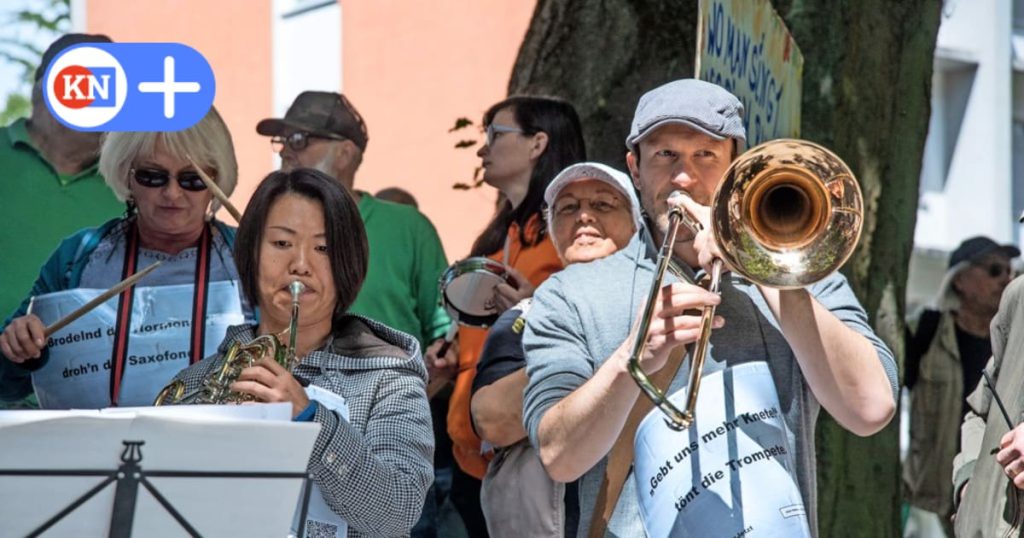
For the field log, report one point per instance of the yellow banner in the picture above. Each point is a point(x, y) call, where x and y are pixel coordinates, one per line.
point(745, 47)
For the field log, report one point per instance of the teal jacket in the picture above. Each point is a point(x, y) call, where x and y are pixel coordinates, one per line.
point(63, 271)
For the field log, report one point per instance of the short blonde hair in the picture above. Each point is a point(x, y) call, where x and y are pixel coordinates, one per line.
point(208, 142)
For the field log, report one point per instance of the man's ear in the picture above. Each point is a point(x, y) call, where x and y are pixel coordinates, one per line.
point(539, 143)
point(634, 170)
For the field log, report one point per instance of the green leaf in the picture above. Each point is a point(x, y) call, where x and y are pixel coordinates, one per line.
point(461, 123)
point(18, 106)
point(465, 143)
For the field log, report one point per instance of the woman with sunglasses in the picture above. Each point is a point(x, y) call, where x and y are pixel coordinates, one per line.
point(123, 352)
point(947, 349)
point(529, 140)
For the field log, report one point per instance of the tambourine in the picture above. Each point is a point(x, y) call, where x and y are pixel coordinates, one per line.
point(467, 290)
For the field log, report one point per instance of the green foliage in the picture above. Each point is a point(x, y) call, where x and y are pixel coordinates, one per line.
point(17, 106)
point(44, 17)
point(461, 123)
point(477, 181)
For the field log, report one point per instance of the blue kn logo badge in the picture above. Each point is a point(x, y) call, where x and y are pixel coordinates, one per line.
point(129, 87)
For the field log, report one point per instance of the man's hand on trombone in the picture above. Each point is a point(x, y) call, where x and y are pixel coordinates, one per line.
point(675, 322)
point(704, 244)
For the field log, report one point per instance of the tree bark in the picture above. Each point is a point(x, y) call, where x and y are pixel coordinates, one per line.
point(866, 96)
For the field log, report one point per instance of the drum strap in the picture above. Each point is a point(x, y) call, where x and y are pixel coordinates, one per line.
point(620, 458)
point(126, 299)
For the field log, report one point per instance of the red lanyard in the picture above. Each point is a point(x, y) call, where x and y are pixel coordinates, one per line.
point(127, 297)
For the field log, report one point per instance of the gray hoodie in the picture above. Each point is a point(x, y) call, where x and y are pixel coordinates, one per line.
point(373, 469)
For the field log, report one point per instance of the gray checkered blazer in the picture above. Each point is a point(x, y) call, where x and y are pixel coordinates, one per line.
point(374, 469)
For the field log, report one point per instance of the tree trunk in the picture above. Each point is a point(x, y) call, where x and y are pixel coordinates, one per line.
point(866, 96)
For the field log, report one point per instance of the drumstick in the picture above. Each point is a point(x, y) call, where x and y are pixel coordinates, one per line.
point(217, 193)
point(453, 329)
point(100, 299)
point(435, 385)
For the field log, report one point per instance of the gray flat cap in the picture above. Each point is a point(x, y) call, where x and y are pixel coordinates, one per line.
point(707, 107)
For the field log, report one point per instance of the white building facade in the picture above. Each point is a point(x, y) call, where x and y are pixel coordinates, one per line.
point(972, 175)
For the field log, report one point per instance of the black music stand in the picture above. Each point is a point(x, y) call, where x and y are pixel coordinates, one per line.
point(204, 473)
point(129, 475)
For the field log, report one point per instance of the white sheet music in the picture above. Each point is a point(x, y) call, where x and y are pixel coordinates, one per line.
point(243, 438)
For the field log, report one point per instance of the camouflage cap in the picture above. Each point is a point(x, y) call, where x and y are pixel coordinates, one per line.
point(324, 113)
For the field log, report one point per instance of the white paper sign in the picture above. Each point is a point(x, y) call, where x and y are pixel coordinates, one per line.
point(321, 521)
point(731, 473)
point(77, 374)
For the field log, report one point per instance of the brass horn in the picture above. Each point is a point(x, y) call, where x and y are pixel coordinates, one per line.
point(216, 387)
point(786, 214)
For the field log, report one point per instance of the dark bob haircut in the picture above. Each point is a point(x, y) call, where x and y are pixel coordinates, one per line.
point(534, 114)
point(347, 247)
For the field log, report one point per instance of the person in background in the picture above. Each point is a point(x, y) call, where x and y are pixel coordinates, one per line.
point(988, 472)
point(44, 164)
point(947, 348)
point(592, 212)
point(529, 140)
point(169, 219)
point(397, 195)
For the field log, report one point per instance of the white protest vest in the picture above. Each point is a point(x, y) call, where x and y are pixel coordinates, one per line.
point(77, 374)
point(321, 521)
point(731, 473)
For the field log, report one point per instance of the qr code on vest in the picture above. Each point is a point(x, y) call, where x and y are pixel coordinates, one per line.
point(319, 529)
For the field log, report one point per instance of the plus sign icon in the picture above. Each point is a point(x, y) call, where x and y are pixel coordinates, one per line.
point(129, 87)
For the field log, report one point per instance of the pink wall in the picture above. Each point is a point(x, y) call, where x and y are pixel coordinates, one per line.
point(410, 67)
point(234, 36)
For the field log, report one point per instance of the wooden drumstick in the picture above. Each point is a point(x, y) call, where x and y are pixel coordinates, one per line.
point(217, 193)
point(435, 385)
point(100, 299)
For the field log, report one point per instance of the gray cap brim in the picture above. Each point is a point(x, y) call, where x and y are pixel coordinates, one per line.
point(600, 172)
point(671, 121)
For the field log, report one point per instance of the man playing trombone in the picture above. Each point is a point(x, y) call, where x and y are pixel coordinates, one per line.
point(745, 454)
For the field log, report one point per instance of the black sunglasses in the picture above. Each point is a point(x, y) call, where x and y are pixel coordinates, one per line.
point(188, 180)
point(299, 140)
point(995, 269)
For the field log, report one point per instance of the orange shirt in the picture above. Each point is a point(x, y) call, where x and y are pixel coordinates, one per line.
point(536, 263)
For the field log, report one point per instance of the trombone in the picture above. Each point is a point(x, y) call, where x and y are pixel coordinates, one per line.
point(787, 214)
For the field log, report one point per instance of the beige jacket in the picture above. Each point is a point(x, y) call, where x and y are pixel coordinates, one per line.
point(935, 407)
point(988, 508)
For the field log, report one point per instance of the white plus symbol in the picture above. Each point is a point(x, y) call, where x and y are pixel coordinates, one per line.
point(169, 87)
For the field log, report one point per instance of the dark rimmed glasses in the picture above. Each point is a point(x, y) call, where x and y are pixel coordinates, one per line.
point(151, 177)
point(299, 140)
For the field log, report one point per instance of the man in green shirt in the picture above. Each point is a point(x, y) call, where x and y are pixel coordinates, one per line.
point(49, 186)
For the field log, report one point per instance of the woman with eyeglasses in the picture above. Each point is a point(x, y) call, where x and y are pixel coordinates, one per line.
point(529, 140)
point(123, 352)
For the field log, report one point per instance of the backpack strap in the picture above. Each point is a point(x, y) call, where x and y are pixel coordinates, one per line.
point(918, 344)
